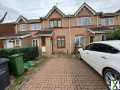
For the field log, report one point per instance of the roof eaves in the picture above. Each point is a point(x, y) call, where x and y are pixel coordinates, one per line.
point(87, 6)
point(23, 18)
point(52, 10)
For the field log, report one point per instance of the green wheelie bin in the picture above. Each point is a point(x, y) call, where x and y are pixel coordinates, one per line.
point(16, 64)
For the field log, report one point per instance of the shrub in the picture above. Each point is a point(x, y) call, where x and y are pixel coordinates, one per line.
point(28, 53)
point(114, 35)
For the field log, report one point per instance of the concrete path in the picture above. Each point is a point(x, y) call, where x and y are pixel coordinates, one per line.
point(65, 73)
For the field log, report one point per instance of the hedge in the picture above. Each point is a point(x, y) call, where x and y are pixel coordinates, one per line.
point(28, 53)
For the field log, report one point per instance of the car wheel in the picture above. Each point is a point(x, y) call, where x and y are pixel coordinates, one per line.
point(110, 75)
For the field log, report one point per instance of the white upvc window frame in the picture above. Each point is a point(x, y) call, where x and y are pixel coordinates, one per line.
point(36, 26)
point(107, 21)
point(35, 42)
point(79, 41)
point(55, 23)
point(18, 42)
point(84, 21)
point(23, 27)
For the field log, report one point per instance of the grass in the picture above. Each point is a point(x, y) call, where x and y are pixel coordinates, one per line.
point(19, 81)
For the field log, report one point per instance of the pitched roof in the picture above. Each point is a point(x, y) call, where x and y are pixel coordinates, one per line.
point(55, 8)
point(44, 33)
point(14, 35)
point(87, 6)
point(21, 18)
point(118, 11)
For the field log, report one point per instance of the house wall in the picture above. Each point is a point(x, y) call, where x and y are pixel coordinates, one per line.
point(27, 42)
point(98, 37)
point(1, 44)
point(69, 38)
point(7, 29)
point(69, 29)
point(48, 45)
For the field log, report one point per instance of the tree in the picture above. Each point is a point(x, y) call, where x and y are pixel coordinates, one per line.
point(2, 19)
point(114, 35)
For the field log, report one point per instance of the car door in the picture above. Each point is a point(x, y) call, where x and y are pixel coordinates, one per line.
point(89, 54)
point(104, 55)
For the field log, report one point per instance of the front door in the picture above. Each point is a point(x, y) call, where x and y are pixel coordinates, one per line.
point(43, 44)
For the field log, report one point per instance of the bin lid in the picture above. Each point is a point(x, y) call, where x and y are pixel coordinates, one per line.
point(3, 60)
point(16, 55)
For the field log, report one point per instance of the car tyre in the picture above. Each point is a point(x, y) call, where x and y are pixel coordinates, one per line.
point(109, 75)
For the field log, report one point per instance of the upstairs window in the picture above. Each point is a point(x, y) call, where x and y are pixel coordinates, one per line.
point(84, 21)
point(107, 21)
point(55, 23)
point(23, 27)
point(61, 42)
point(36, 26)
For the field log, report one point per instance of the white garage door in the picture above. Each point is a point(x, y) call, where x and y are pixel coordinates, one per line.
point(8, 44)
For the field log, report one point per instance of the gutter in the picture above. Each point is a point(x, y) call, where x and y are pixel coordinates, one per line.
point(11, 37)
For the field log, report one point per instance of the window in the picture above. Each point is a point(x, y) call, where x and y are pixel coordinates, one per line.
point(17, 42)
point(85, 21)
point(36, 26)
point(35, 43)
point(23, 27)
point(79, 41)
point(107, 21)
point(55, 23)
point(102, 48)
point(61, 42)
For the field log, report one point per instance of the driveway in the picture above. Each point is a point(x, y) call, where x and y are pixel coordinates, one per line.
point(65, 73)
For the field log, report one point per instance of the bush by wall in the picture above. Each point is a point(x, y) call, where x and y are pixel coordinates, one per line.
point(28, 53)
point(114, 35)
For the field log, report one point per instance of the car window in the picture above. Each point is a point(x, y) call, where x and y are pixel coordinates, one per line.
point(92, 47)
point(101, 48)
point(110, 49)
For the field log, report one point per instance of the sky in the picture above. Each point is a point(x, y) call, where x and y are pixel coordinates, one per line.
point(39, 8)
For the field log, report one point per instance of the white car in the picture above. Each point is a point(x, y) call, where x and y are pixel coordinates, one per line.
point(104, 57)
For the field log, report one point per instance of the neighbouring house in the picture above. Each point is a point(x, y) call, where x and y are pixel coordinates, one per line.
point(60, 33)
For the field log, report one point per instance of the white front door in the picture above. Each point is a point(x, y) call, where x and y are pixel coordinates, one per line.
point(8, 44)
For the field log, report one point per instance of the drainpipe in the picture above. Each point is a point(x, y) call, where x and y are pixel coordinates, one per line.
point(70, 35)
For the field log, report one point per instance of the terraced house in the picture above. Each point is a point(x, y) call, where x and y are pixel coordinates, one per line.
point(60, 33)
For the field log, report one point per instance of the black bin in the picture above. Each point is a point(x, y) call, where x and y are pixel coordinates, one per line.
point(4, 73)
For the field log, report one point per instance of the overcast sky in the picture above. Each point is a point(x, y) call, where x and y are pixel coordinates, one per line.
point(38, 8)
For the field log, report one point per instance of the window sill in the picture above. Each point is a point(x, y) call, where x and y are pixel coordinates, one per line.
point(60, 47)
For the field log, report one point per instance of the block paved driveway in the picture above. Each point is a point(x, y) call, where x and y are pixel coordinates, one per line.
point(65, 73)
